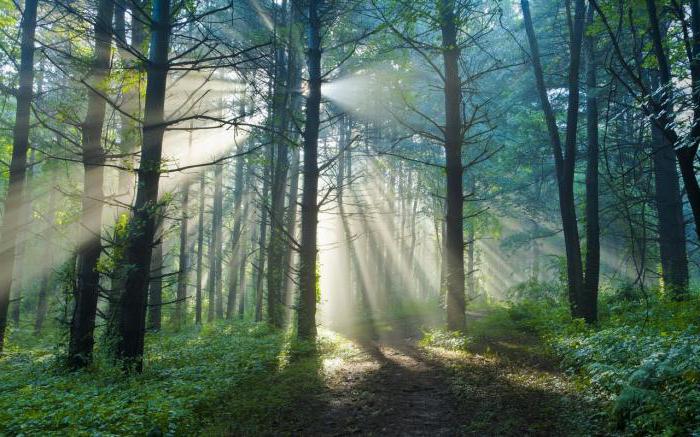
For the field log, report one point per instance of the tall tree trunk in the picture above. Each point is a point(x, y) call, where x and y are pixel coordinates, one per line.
point(213, 286)
point(564, 164)
point(669, 207)
point(219, 242)
point(308, 275)
point(454, 221)
point(47, 286)
point(244, 288)
point(674, 260)
point(471, 245)
point(276, 246)
point(589, 301)
point(412, 245)
point(19, 281)
point(12, 218)
point(236, 257)
point(291, 226)
point(155, 288)
point(142, 225)
point(296, 100)
point(184, 263)
point(200, 251)
point(129, 138)
point(90, 245)
point(259, 272)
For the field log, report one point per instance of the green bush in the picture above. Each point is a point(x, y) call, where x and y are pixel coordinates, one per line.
point(644, 356)
point(185, 374)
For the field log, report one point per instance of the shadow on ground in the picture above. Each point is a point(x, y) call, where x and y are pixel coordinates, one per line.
point(389, 385)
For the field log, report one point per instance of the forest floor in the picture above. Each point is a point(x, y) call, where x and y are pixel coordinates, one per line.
point(393, 382)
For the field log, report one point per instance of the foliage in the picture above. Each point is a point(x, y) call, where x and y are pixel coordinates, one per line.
point(450, 340)
point(547, 291)
point(186, 374)
point(644, 357)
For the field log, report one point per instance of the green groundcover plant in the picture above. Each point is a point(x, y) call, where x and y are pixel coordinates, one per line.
point(644, 357)
point(185, 374)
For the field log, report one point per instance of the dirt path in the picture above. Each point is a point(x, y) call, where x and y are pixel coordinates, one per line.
point(393, 387)
point(390, 388)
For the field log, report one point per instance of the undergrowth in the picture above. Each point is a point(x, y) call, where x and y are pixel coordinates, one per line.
point(192, 380)
point(643, 356)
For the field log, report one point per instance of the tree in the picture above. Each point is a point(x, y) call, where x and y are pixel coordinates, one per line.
point(141, 229)
point(565, 158)
point(308, 274)
point(90, 247)
point(12, 219)
point(454, 221)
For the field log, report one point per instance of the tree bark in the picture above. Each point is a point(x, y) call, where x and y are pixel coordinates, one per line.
point(589, 301)
point(213, 286)
point(296, 99)
point(12, 218)
point(276, 247)
point(454, 221)
point(155, 289)
point(671, 225)
point(200, 252)
point(142, 225)
point(183, 259)
point(259, 272)
point(308, 275)
point(47, 286)
point(90, 245)
point(564, 164)
point(291, 226)
point(236, 257)
point(244, 288)
point(19, 280)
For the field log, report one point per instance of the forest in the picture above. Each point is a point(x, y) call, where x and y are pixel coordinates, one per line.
point(337, 217)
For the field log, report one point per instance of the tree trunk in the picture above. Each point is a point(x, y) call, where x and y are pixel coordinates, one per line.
point(87, 285)
point(155, 289)
point(12, 218)
point(236, 257)
point(213, 286)
point(47, 286)
point(244, 288)
point(200, 252)
point(454, 221)
point(129, 137)
point(296, 98)
point(674, 259)
point(142, 226)
point(259, 272)
point(276, 246)
point(19, 281)
point(308, 275)
point(589, 301)
point(183, 263)
point(471, 243)
point(564, 164)
point(291, 226)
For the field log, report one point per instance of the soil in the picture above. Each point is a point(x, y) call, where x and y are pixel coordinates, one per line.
point(391, 386)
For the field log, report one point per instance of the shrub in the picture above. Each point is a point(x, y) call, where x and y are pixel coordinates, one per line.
point(644, 357)
point(184, 374)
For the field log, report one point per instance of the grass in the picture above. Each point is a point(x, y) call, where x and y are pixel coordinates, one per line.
point(241, 378)
point(187, 377)
point(507, 381)
point(641, 361)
